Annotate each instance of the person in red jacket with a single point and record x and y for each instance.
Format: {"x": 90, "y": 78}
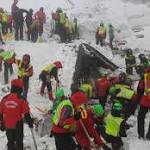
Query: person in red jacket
{"x": 12, "y": 109}
{"x": 63, "y": 122}
{"x": 102, "y": 85}
{"x": 86, "y": 122}
{"x": 144, "y": 102}
{"x": 41, "y": 17}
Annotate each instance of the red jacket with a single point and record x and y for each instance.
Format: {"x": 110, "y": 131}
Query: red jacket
{"x": 13, "y": 108}
{"x": 89, "y": 125}
{"x": 102, "y": 86}
{"x": 143, "y": 99}
{"x": 40, "y": 16}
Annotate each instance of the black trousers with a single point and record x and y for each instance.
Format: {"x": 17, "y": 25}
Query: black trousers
{"x": 15, "y": 137}
{"x": 7, "y": 67}
{"x": 141, "y": 122}
{"x": 64, "y": 141}
{"x": 45, "y": 82}
{"x": 18, "y": 30}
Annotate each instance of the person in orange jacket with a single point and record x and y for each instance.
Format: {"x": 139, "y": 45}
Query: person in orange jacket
{"x": 86, "y": 131}
{"x": 144, "y": 102}
{"x": 13, "y": 108}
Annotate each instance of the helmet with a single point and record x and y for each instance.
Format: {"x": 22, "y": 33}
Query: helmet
{"x": 101, "y": 24}
{"x": 78, "y": 98}
{"x": 17, "y": 83}
{"x": 58, "y": 64}
{"x": 117, "y": 106}
{"x": 31, "y": 10}
{"x": 122, "y": 76}
{"x": 104, "y": 73}
{"x": 26, "y": 57}
{"x": 98, "y": 109}
{"x": 141, "y": 56}
{"x": 129, "y": 51}
{"x": 112, "y": 90}
{"x": 59, "y": 93}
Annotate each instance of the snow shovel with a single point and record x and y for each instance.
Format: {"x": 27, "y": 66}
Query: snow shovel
{"x": 34, "y": 141}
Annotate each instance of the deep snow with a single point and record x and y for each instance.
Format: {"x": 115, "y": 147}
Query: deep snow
{"x": 90, "y": 13}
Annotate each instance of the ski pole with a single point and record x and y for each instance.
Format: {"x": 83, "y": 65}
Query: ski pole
{"x": 34, "y": 141}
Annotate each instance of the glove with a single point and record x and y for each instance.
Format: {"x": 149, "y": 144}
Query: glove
{"x": 30, "y": 123}
{"x": 77, "y": 116}
{"x": 105, "y": 147}
{"x": 2, "y": 128}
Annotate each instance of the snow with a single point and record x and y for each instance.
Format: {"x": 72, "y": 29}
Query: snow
{"x": 123, "y": 15}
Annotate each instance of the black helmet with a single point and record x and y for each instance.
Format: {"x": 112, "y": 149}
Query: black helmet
{"x": 129, "y": 51}
{"x": 122, "y": 76}
{"x": 141, "y": 56}
{"x": 31, "y": 10}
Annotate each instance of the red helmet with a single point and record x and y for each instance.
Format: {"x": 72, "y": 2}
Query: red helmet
{"x": 26, "y": 57}
{"x": 17, "y": 83}
{"x": 78, "y": 98}
{"x": 58, "y": 64}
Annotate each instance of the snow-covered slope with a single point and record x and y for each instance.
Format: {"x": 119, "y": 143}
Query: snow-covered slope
{"x": 124, "y": 16}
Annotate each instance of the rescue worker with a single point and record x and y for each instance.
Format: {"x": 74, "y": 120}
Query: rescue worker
{"x": 115, "y": 127}
{"x": 85, "y": 124}
{"x": 61, "y": 23}
{"x": 144, "y": 63}
{"x": 45, "y": 76}
{"x": 122, "y": 91}
{"x": 87, "y": 88}
{"x": 130, "y": 61}
{"x": 63, "y": 122}
{"x": 101, "y": 34}
{"x": 41, "y": 17}
{"x": 13, "y": 108}
{"x": 1, "y": 38}
{"x": 8, "y": 57}
{"x": 29, "y": 21}
{"x": 25, "y": 71}
{"x": 102, "y": 85}
{"x": 144, "y": 101}
{"x": 111, "y": 35}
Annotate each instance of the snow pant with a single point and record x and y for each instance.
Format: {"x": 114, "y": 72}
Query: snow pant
{"x": 62, "y": 33}
{"x": 28, "y": 32}
{"x": 7, "y": 67}
{"x": 141, "y": 122}
{"x": 110, "y": 42}
{"x": 116, "y": 142}
{"x": 1, "y": 39}
{"x": 100, "y": 39}
{"x": 40, "y": 28}
{"x": 15, "y": 137}
{"x": 64, "y": 141}
{"x": 26, "y": 87}
{"x": 45, "y": 83}
{"x": 34, "y": 35}
{"x": 18, "y": 30}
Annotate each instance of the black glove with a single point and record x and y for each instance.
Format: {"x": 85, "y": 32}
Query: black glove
{"x": 2, "y": 128}
{"x": 77, "y": 116}
{"x": 30, "y": 123}
{"x": 105, "y": 147}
